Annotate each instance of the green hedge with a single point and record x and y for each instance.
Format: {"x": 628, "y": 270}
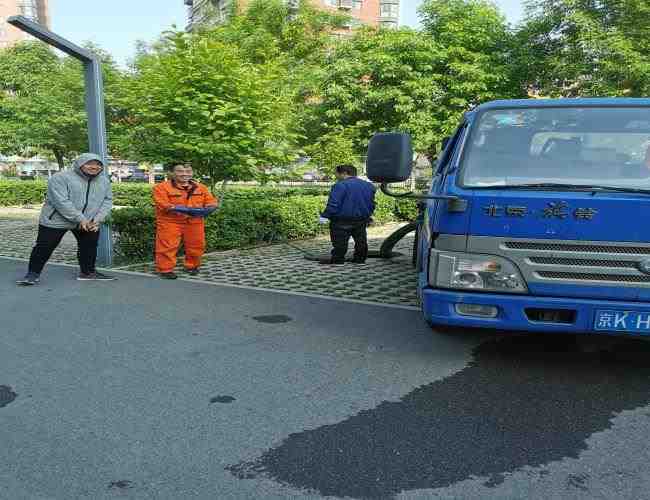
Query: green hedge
{"x": 406, "y": 210}
{"x": 249, "y": 216}
{"x": 239, "y": 223}
{"x": 18, "y": 193}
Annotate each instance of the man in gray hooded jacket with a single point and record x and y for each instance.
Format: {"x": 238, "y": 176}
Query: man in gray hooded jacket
{"x": 78, "y": 200}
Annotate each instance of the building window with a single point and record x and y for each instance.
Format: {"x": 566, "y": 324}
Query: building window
{"x": 389, "y": 24}
{"x": 332, "y": 3}
{"x": 357, "y": 4}
{"x": 389, "y": 10}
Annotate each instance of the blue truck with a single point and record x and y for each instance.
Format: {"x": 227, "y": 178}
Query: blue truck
{"x": 538, "y": 217}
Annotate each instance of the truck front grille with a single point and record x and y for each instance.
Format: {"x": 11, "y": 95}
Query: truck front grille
{"x": 576, "y": 247}
{"x": 572, "y": 262}
{"x": 602, "y": 277}
{"x": 566, "y": 261}
{"x": 577, "y": 262}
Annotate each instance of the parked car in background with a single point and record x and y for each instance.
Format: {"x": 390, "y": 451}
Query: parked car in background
{"x": 138, "y": 175}
{"x": 25, "y": 175}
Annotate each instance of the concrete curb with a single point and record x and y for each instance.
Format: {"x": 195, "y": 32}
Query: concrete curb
{"x": 241, "y": 287}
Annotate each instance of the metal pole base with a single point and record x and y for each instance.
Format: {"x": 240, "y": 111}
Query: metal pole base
{"x": 105, "y": 246}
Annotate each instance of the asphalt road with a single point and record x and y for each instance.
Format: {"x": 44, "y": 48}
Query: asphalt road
{"x": 147, "y": 389}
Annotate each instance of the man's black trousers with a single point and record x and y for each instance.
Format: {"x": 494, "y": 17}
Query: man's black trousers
{"x": 341, "y": 232}
{"x": 49, "y": 238}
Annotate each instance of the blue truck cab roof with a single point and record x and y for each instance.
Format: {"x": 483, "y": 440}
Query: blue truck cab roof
{"x": 561, "y": 103}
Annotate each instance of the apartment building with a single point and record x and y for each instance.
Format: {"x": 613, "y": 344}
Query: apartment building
{"x": 370, "y": 12}
{"x": 36, "y": 10}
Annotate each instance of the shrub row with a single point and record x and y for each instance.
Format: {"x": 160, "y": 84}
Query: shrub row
{"x": 18, "y": 193}
{"x": 239, "y": 223}
{"x": 248, "y": 216}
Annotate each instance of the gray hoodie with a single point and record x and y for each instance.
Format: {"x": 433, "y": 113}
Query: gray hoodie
{"x": 73, "y": 197}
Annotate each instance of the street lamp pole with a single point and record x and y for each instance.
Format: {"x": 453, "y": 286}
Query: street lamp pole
{"x": 97, "y": 142}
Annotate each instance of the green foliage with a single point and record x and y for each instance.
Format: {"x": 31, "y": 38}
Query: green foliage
{"x": 42, "y": 108}
{"x": 15, "y": 193}
{"x": 586, "y": 48}
{"x": 135, "y": 232}
{"x": 239, "y": 223}
{"x": 244, "y": 220}
{"x": 132, "y": 195}
{"x": 415, "y": 82}
{"x": 332, "y": 149}
{"x": 406, "y": 210}
{"x": 476, "y": 47}
{"x": 196, "y": 99}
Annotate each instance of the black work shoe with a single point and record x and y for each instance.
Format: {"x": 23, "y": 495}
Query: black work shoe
{"x": 30, "y": 279}
{"x": 168, "y": 276}
{"x": 94, "y": 277}
{"x": 355, "y": 261}
{"x": 192, "y": 272}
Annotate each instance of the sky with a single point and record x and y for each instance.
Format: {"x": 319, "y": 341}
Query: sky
{"x": 513, "y": 9}
{"x": 116, "y": 25}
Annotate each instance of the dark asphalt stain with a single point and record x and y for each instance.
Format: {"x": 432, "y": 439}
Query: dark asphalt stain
{"x": 7, "y": 395}
{"x": 120, "y": 485}
{"x": 578, "y": 481}
{"x": 222, "y": 399}
{"x": 522, "y": 401}
{"x": 273, "y": 319}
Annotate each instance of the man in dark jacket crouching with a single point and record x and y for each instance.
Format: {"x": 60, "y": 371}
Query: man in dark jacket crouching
{"x": 349, "y": 209}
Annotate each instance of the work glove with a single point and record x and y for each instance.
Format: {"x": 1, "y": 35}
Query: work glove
{"x": 323, "y": 220}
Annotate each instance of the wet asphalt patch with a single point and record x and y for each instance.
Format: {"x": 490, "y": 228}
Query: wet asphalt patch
{"x": 273, "y": 319}
{"x": 222, "y": 399}
{"x": 522, "y": 401}
{"x": 7, "y": 395}
{"x": 120, "y": 485}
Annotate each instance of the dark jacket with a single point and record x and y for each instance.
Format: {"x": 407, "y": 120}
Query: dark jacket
{"x": 351, "y": 199}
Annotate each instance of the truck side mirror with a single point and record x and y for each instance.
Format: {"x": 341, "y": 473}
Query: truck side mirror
{"x": 390, "y": 158}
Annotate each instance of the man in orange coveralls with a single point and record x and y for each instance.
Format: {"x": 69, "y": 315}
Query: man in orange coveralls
{"x": 177, "y": 201}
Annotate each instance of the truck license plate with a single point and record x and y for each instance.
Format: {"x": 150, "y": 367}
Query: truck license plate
{"x": 623, "y": 321}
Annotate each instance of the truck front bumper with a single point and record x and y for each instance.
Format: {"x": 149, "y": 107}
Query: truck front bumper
{"x": 522, "y": 312}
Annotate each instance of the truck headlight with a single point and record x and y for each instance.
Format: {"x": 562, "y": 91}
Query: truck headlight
{"x": 463, "y": 271}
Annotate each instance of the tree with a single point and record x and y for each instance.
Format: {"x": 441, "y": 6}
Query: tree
{"x": 587, "y": 47}
{"x": 415, "y": 82}
{"x": 477, "y": 46}
{"x": 42, "y": 108}
{"x": 332, "y": 149}
{"x": 193, "y": 98}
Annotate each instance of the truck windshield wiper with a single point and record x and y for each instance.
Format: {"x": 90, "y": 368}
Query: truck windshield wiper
{"x": 570, "y": 187}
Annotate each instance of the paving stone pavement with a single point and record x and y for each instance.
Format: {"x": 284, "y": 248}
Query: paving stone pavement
{"x": 275, "y": 267}
{"x": 18, "y": 235}
{"x": 283, "y": 267}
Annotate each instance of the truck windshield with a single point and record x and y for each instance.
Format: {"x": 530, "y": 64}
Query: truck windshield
{"x": 604, "y": 146}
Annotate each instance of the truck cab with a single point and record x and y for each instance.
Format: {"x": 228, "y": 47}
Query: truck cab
{"x": 537, "y": 218}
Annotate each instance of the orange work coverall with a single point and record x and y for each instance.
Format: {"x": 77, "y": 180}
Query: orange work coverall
{"x": 171, "y": 227}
